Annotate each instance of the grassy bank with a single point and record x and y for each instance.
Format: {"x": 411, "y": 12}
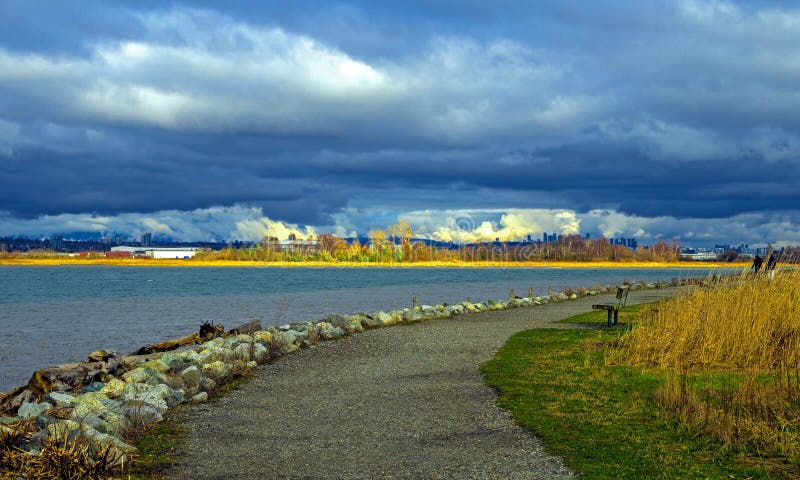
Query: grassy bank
{"x": 706, "y": 385}
{"x": 603, "y": 421}
{"x": 149, "y": 262}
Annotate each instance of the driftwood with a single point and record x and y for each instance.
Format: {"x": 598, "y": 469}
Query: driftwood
{"x": 246, "y": 328}
{"x": 99, "y": 365}
{"x": 208, "y": 331}
{"x": 67, "y": 377}
{"x": 169, "y": 345}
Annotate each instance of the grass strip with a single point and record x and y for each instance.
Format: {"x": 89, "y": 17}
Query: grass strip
{"x": 604, "y": 421}
{"x": 627, "y": 315}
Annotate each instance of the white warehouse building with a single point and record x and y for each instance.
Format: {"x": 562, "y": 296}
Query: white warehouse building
{"x": 159, "y": 252}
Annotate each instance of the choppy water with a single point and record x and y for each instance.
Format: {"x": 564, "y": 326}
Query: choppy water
{"x": 53, "y": 315}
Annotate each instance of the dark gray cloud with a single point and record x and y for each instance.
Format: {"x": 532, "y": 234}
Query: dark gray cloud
{"x": 312, "y": 111}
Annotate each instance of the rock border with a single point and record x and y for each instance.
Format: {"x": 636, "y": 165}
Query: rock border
{"x": 135, "y": 391}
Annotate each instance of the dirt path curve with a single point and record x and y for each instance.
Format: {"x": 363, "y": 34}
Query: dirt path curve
{"x": 400, "y": 402}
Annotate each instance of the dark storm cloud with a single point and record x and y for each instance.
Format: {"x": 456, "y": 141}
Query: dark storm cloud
{"x": 311, "y": 109}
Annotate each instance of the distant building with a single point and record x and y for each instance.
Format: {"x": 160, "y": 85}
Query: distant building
{"x": 57, "y": 243}
{"x": 158, "y": 252}
{"x": 147, "y": 239}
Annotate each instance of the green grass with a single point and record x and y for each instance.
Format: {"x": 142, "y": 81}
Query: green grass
{"x": 627, "y": 315}
{"x": 158, "y": 449}
{"x": 603, "y": 420}
{"x": 159, "y": 446}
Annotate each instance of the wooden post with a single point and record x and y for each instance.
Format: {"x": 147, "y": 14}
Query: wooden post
{"x": 512, "y": 294}
{"x": 415, "y": 302}
{"x": 530, "y": 292}
{"x": 549, "y": 291}
{"x": 469, "y": 300}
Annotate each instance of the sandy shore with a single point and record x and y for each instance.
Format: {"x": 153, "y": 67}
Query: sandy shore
{"x": 144, "y": 262}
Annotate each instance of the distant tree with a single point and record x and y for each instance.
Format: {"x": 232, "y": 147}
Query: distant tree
{"x": 730, "y": 255}
{"x": 327, "y": 243}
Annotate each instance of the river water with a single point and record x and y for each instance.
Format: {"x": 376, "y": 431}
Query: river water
{"x": 53, "y": 315}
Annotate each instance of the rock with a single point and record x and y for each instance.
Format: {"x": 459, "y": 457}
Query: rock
{"x": 353, "y": 324}
{"x": 137, "y": 375}
{"x": 62, "y": 429}
{"x": 140, "y": 416}
{"x": 242, "y": 352}
{"x": 156, "y": 365}
{"x": 43, "y": 420}
{"x": 100, "y": 440}
{"x": 200, "y": 398}
{"x": 284, "y": 343}
{"x": 412, "y": 316}
{"x": 265, "y": 338}
{"x": 217, "y": 370}
{"x": 113, "y": 389}
{"x": 89, "y": 403}
{"x": 326, "y": 331}
{"x": 129, "y": 362}
{"x": 207, "y": 385}
{"x": 573, "y": 297}
{"x": 337, "y": 320}
{"x": 260, "y": 353}
{"x": 32, "y": 410}
{"x": 140, "y": 395}
{"x": 101, "y": 356}
{"x": 378, "y": 319}
{"x": 61, "y": 399}
{"x": 93, "y": 387}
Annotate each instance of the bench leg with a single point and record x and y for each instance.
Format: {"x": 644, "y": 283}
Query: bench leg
{"x": 609, "y": 318}
{"x": 616, "y": 316}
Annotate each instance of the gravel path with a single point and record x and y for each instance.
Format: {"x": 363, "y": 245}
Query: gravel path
{"x": 399, "y": 402}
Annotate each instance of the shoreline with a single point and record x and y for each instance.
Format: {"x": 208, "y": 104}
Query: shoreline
{"x": 100, "y": 399}
{"x": 54, "y": 262}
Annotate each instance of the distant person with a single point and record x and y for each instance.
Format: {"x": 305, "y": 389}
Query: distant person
{"x": 771, "y": 262}
{"x": 757, "y": 264}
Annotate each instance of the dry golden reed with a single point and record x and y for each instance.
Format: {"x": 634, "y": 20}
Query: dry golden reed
{"x": 745, "y": 322}
{"x": 730, "y": 352}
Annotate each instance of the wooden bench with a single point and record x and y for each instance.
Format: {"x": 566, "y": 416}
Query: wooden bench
{"x": 613, "y": 308}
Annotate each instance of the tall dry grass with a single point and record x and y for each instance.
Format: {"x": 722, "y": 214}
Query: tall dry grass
{"x": 730, "y": 353}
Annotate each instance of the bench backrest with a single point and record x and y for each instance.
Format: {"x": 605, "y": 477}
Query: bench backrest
{"x": 622, "y": 296}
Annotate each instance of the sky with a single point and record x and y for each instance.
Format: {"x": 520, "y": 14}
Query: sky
{"x": 473, "y": 120}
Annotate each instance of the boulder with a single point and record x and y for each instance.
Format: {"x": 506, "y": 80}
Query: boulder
{"x": 283, "y": 343}
{"x": 353, "y": 324}
{"x": 378, "y": 319}
{"x": 93, "y": 387}
{"x": 337, "y": 320}
{"x": 99, "y": 440}
{"x": 200, "y": 398}
{"x": 217, "y": 370}
{"x": 62, "y": 429}
{"x": 138, "y": 375}
{"x": 32, "y": 409}
{"x": 140, "y": 416}
{"x": 207, "y": 384}
{"x": 264, "y": 338}
{"x": 113, "y": 389}
{"x": 89, "y": 403}
{"x": 61, "y": 399}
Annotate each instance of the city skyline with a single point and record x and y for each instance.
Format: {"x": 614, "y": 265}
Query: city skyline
{"x": 471, "y": 121}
